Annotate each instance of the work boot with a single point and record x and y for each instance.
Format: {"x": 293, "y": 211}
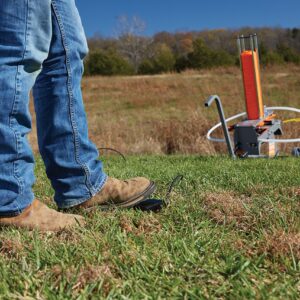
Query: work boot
{"x": 41, "y": 217}
{"x": 122, "y": 194}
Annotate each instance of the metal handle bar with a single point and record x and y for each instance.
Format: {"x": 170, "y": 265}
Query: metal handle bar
{"x": 208, "y": 103}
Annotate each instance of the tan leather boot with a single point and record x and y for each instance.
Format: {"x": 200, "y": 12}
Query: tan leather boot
{"x": 41, "y": 217}
{"x": 122, "y": 194}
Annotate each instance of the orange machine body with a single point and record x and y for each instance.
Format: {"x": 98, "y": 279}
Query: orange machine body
{"x": 252, "y": 85}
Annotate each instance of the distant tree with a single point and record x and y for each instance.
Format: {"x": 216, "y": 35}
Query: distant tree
{"x": 295, "y": 33}
{"x": 288, "y": 54}
{"x": 98, "y": 42}
{"x": 131, "y": 42}
{"x": 269, "y": 57}
{"x": 146, "y": 67}
{"x": 164, "y": 37}
{"x": 164, "y": 59}
{"x": 202, "y": 56}
{"x": 262, "y": 51}
{"x": 183, "y": 43}
{"x": 223, "y": 58}
{"x": 100, "y": 62}
{"x": 162, "y": 62}
{"x": 134, "y": 52}
{"x": 182, "y": 63}
{"x": 273, "y": 58}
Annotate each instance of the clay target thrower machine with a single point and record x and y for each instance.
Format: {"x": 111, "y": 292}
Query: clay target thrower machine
{"x": 255, "y": 135}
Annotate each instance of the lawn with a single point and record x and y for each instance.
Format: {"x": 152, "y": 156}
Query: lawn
{"x": 231, "y": 232}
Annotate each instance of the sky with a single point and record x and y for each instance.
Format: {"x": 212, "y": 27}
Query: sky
{"x": 100, "y": 16}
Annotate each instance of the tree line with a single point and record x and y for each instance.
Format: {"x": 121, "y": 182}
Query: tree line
{"x": 131, "y": 52}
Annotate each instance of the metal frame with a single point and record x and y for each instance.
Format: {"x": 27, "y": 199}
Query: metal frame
{"x": 250, "y": 135}
{"x": 218, "y": 101}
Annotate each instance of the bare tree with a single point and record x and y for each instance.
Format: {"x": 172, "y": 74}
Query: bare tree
{"x": 131, "y": 41}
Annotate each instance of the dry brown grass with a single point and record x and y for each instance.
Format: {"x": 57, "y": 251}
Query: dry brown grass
{"x": 281, "y": 244}
{"x": 148, "y": 225}
{"x": 227, "y": 208}
{"x": 11, "y": 248}
{"x": 277, "y": 244}
{"x": 83, "y": 277}
{"x": 290, "y": 192}
{"x": 165, "y": 113}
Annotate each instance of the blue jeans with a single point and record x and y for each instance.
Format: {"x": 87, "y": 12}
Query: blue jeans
{"x": 42, "y": 46}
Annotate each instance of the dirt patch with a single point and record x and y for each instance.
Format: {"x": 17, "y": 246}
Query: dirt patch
{"x": 149, "y": 225}
{"x": 281, "y": 244}
{"x": 11, "y": 248}
{"x": 86, "y": 275}
{"x": 126, "y": 225}
{"x": 67, "y": 236}
{"x": 227, "y": 208}
{"x": 277, "y": 244}
{"x": 146, "y": 226}
{"x": 290, "y": 191}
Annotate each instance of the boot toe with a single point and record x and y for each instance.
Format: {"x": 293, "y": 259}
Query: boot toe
{"x": 121, "y": 193}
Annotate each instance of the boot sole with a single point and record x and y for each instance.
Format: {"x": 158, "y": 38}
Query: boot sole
{"x": 129, "y": 203}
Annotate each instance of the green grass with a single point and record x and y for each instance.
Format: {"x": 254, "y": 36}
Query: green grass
{"x": 183, "y": 252}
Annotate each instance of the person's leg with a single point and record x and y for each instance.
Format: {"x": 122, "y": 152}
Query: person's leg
{"x": 71, "y": 159}
{"x": 25, "y": 35}
{"x": 25, "y": 32}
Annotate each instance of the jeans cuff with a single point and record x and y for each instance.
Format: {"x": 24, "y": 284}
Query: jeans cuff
{"x": 17, "y": 211}
{"x": 11, "y": 214}
{"x": 70, "y": 203}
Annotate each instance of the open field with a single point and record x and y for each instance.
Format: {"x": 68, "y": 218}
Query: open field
{"x": 231, "y": 232}
{"x": 165, "y": 115}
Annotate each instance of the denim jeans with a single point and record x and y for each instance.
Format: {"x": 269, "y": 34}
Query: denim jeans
{"x": 42, "y": 46}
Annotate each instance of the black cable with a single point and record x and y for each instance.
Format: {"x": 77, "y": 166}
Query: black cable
{"x": 114, "y": 150}
{"x": 174, "y": 182}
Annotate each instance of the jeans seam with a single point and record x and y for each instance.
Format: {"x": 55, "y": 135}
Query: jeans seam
{"x": 71, "y": 98}
{"x": 97, "y": 190}
{"x": 14, "y": 111}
